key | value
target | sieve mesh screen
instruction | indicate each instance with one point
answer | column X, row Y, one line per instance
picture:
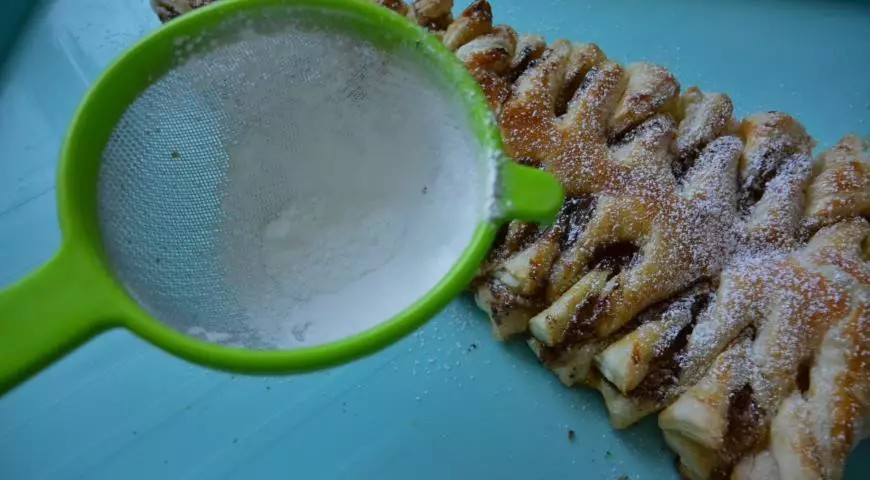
column 287, row 185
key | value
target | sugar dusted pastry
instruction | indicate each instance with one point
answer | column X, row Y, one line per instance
column 840, row 187
column 168, row 9
column 702, row 266
column 790, row 314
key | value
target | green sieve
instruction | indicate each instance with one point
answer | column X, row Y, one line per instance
column 271, row 186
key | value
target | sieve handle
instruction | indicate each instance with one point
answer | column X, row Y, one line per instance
column 528, row 194
column 46, row 315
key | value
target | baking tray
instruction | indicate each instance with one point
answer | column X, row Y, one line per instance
column 447, row 402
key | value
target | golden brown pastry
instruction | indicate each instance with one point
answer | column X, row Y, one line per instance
column 840, row 187
column 796, row 318
column 168, row 9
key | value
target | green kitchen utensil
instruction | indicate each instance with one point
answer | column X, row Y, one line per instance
column 271, row 186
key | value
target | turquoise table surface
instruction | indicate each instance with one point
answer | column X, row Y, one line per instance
column 448, row 402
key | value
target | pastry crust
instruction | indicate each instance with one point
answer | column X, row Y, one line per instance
column 168, row 9
column 840, row 188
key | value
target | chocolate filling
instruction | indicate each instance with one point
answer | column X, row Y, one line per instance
column 664, row 372
column 865, row 244
column 517, row 236
column 754, row 188
column 803, row 376
column 531, row 63
column 549, row 356
column 613, row 257
column 582, row 324
column 528, row 58
column 527, row 161
column 438, row 24
column 773, row 161
column 587, row 80
column 660, row 383
column 573, row 218
column 745, row 428
column 571, row 87
column 681, row 165
column 628, row 135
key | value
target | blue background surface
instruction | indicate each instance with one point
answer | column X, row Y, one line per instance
column 432, row 406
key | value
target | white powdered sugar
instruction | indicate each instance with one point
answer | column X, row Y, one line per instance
column 354, row 182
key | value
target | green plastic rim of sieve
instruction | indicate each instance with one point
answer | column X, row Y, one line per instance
column 75, row 295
